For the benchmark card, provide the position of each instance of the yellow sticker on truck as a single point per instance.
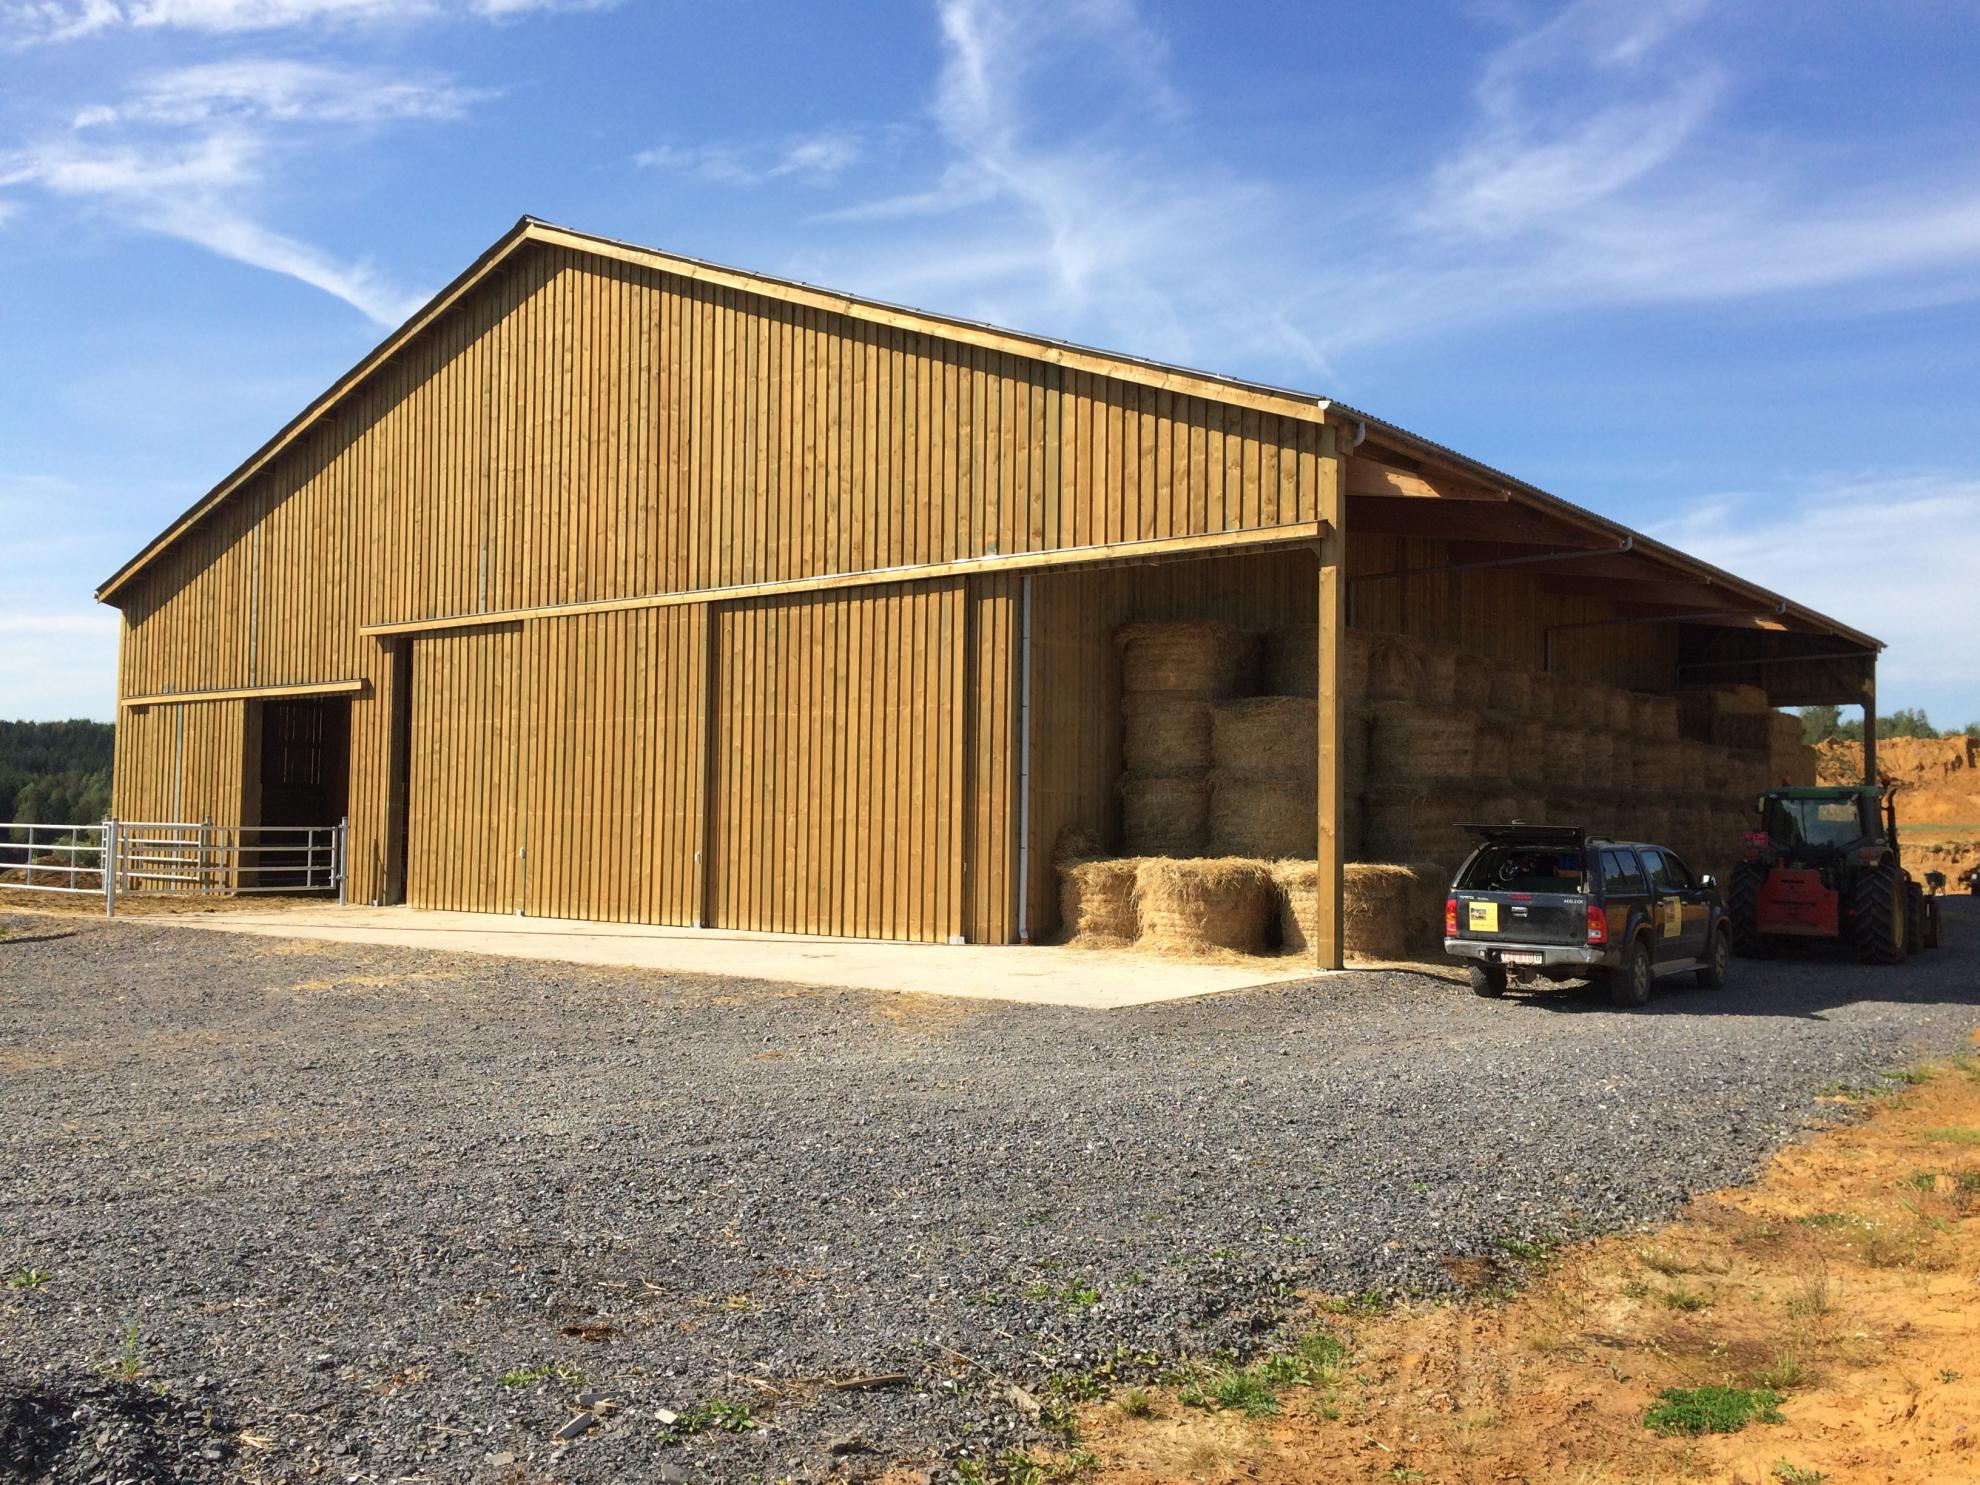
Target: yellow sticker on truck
(1482, 917)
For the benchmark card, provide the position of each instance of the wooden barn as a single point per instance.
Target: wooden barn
(617, 585)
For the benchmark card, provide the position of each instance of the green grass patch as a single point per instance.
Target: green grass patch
(548, 1371)
(28, 1278)
(1789, 1474)
(1678, 1297)
(1701, 1410)
(1953, 1135)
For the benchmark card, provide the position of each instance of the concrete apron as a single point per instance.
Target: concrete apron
(1088, 979)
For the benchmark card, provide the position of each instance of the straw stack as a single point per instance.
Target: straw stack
(1190, 907)
(1096, 902)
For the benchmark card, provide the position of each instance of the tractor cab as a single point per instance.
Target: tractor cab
(1819, 827)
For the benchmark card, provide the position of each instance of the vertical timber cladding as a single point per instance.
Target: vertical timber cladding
(837, 766)
(465, 836)
(616, 729)
(180, 762)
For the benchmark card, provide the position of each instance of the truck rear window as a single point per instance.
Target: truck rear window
(1525, 869)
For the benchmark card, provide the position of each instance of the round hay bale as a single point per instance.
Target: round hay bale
(1189, 907)
(1267, 818)
(1491, 757)
(1410, 741)
(1436, 683)
(1163, 733)
(1375, 910)
(1096, 902)
(1654, 716)
(1292, 662)
(1167, 816)
(1539, 695)
(1197, 658)
(1275, 737)
(1395, 668)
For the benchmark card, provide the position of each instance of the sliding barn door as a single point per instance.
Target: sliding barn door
(836, 800)
(465, 779)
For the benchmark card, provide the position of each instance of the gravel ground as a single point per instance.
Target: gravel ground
(276, 1211)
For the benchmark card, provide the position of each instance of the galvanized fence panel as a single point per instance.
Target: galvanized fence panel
(163, 856)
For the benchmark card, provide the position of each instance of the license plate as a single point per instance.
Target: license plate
(1482, 917)
(1522, 956)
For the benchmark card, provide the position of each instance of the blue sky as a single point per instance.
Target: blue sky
(1713, 269)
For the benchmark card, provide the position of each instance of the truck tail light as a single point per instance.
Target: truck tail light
(1598, 925)
(1450, 917)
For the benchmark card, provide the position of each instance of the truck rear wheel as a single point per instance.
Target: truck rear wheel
(1629, 985)
(1743, 910)
(1711, 975)
(1488, 980)
(1877, 916)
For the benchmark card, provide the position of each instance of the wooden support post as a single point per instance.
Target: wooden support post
(1870, 720)
(1329, 937)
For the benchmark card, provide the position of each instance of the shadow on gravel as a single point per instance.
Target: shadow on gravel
(71, 1430)
(1802, 982)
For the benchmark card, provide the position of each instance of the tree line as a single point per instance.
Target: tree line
(1820, 723)
(55, 773)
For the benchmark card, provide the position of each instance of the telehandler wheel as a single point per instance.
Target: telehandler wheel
(1877, 916)
(1488, 980)
(1743, 911)
(1914, 917)
(1630, 984)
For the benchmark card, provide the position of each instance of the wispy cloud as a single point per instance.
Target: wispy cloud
(1599, 166)
(816, 159)
(1919, 596)
(189, 153)
(30, 22)
(1113, 229)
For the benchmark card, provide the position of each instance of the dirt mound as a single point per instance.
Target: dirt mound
(83, 1428)
(1938, 777)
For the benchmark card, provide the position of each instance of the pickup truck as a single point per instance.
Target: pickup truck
(1543, 902)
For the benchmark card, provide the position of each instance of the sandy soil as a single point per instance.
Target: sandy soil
(1844, 1280)
(1938, 778)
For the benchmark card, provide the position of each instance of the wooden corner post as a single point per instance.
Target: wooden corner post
(1870, 720)
(1329, 940)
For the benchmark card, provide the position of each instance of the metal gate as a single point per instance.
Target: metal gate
(150, 856)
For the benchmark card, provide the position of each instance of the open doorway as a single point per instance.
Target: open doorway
(299, 757)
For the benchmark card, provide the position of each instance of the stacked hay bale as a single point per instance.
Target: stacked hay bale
(1264, 799)
(1171, 674)
(1203, 906)
(1389, 911)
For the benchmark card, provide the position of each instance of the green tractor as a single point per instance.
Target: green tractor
(1824, 865)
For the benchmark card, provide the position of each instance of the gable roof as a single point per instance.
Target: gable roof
(1211, 386)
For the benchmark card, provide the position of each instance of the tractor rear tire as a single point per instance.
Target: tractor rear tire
(1743, 911)
(1877, 916)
